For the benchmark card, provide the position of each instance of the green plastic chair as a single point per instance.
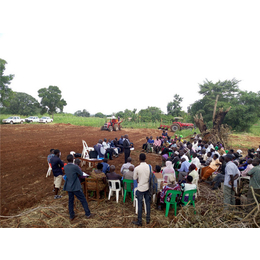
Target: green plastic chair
(128, 188)
(172, 202)
(191, 198)
(170, 153)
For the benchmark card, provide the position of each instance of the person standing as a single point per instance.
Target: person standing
(230, 181)
(57, 165)
(73, 187)
(142, 174)
(127, 146)
(254, 182)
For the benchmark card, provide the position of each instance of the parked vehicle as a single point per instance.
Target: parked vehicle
(32, 119)
(13, 120)
(177, 125)
(45, 119)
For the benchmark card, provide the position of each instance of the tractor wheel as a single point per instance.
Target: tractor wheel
(116, 127)
(110, 128)
(175, 127)
(102, 128)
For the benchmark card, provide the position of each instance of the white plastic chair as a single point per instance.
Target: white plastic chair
(196, 181)
(136, 202)
(158, 188)
(85, 152)
(49, 170)
(167, 175)
(112, 188)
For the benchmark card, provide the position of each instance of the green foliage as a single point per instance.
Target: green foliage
(150, 114)
(23, 104)
(245, 106)
(173, 107)
(83, 113)
(51, 100)
(100, 115)
(6, 93)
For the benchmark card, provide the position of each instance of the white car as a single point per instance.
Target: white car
(32, 119)
(45, 119)
(13, 120)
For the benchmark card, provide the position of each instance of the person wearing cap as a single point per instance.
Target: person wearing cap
(230, 181)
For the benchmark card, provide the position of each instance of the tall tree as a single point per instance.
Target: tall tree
(6, 93)
(174, 107)
(83, 113)
(51, 100)
(23, 104)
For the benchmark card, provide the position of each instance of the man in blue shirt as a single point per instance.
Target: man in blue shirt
(73, 187)
(184, 170)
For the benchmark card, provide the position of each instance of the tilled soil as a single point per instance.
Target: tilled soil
(24, 150)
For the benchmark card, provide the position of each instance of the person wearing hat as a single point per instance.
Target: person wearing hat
(230, 182)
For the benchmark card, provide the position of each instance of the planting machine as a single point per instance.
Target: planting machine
(177, 125)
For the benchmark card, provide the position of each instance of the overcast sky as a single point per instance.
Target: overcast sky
(108, 56)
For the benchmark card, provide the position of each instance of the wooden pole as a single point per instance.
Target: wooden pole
(215, 107)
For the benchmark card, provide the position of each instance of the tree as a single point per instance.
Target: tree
(51, 100)
(99, 114)
(23, 104)
(83, 113)
(245, 106)
(6, 93)
(173, 107)
(150, 114)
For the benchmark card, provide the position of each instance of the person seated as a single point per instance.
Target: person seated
(193, 172)
(112, 146)
(220, 174)
(169, 168)
(184, 170)
(165, 135)
(81, 177)
(99, 149)
(108, 151)
(195, 160)
(106, 166)
(129, 175)
(150, 143)
(207, 171)
(100, 176)
(248, 168)
(118, 146)
(157, 145)
(126, 165)
(173, 185)
(208, 159)
(189, 185)
(111, 175)
(144, 147)
(157, 172)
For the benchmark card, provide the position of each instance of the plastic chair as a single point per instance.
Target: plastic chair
(166, 177)
(85, 152)
(128, 188)
(172, 202)
(190, 199)
(196, 181)
(112, 188)
(136, 203)
(49, 170)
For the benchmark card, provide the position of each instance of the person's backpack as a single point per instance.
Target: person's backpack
(152, 183)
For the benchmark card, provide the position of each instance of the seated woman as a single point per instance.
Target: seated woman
(207, 171)
(169, 168)
(173, 185)
(193, 172)
(102, 180)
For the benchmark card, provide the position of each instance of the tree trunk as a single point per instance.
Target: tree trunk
(200, 123)
(219, 118)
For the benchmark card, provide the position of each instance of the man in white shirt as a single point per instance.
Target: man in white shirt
(230, 181)
(142, 174)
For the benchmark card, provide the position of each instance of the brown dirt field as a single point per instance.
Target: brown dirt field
(24, 150)
(26, 191)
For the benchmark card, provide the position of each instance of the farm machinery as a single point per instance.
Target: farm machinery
(112, 124)
(177, 125)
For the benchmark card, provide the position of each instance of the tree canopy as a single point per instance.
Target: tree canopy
(83, 113)
(23, 104)
(245, 106)
(6, 93)
(174, 107)
(51, 100)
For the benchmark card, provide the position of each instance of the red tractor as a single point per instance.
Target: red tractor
(176, 125)
(112, 124)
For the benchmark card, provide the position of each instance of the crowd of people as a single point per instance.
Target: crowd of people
(184, 165)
